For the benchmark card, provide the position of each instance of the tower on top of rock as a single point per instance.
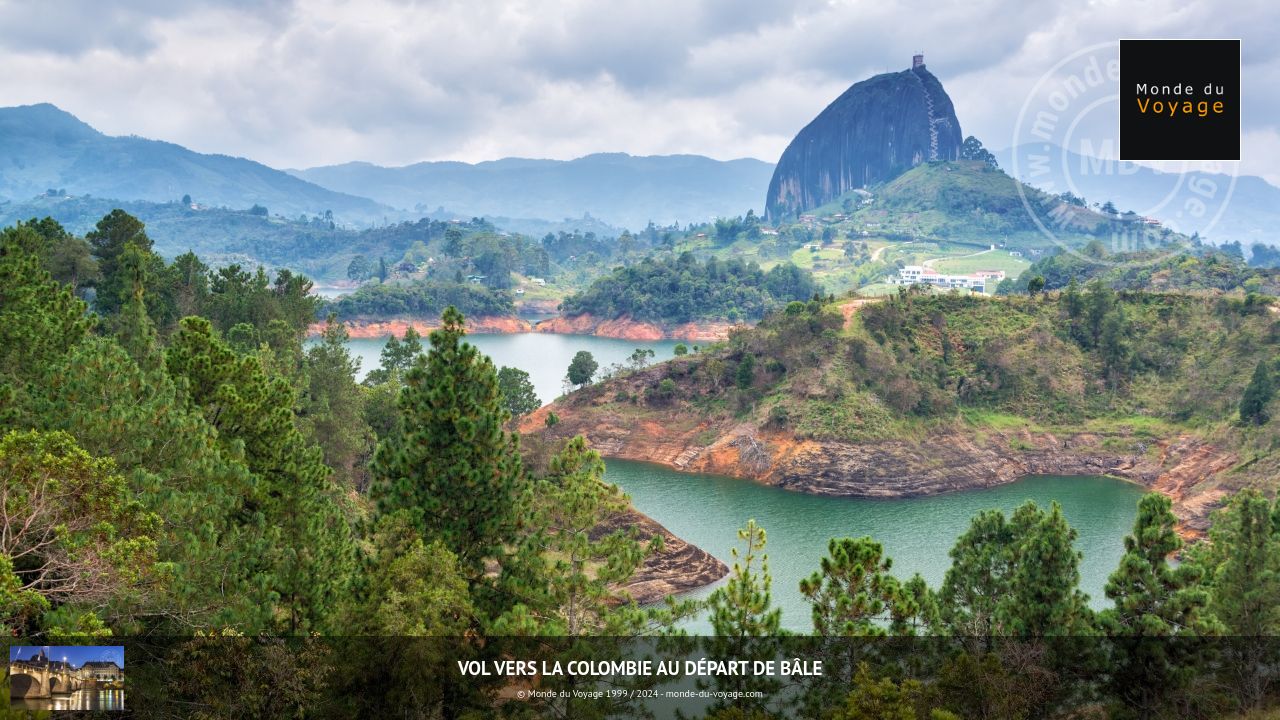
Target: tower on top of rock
(917, 61)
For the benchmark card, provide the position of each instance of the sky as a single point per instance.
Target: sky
(301, 83)
(77, 655)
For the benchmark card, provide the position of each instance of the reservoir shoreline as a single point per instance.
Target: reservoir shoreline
(585, 325)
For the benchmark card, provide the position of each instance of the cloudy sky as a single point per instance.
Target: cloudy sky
(298, 83)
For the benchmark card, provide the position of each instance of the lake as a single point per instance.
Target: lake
(707, 510)
(544, 356)
(917, 533)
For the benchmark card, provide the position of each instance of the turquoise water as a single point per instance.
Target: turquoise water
(708, 510)
(544, 356)
(916, 532)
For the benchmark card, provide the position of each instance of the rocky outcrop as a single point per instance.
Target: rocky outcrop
(878, 129)
(680, 566)
(1185, 468)
(495, 325)
(627, 329)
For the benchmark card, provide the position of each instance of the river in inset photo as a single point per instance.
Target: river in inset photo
(100, 700)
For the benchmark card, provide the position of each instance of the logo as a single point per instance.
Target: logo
(1066, 144)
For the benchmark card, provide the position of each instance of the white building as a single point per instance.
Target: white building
(981, 281)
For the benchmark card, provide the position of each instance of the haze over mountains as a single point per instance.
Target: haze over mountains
(620, 189)
(43, 147)
(1252, 214)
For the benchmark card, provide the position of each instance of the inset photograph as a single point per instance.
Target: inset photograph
(66, 677)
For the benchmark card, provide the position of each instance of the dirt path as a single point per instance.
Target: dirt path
(929, 263)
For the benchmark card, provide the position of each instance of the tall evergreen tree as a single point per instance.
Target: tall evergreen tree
(211, 547)
(1244, 559)
(982, 564)
(40, 321)
(133, 325)
(331, 406)
(311, 567)
(743, 606)
(1257, 395)
(1151, 597)
(109, 240)
(1043, 598)
(1242, 566)
(452, 467)
(1154, 603)
(581, 563)
(854, 594)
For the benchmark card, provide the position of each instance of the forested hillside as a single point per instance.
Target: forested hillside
(682, 289)
(175, 462)
(1197, 268)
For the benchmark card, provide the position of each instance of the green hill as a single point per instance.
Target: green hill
(973, 203)
(921, 393)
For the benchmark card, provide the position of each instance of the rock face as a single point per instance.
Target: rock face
(375, 328)
(678, 568)
(627, 329)
(878, 129)
(1189, 470)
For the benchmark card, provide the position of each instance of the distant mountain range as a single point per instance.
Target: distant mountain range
(43, 148)
(1252, 214)
(619, 189)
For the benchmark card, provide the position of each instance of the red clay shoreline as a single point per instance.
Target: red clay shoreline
(622, 328)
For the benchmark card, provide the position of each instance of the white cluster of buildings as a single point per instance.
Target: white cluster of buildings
(981, 281)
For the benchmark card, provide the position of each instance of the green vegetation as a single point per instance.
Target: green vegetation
(915, 359)
(422, 298)
(581, 369)
(677, 290)
(518, 395)
(174, 461)
(1192, 267)
(177, 461)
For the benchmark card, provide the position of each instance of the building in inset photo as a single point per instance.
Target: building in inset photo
(66, 677)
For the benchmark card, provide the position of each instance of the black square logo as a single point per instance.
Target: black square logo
(1179, 99)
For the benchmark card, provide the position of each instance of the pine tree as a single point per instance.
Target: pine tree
(1242, 566)
(582, 568)
(109, 240)
(744, 621)
(1257, 395)
(452, 467)
(332, 409)
(854, 594)
(40, 321)
(398, 356)
(982, 564)
(311, 566)
(133, 326)
(1246, 575)
(1043, 598)
(213, 549)
(1153, 602)
(743, 606)
(1151, 598)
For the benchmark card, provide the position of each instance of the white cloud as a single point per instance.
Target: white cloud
(320, 81)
